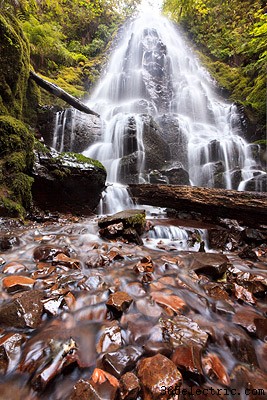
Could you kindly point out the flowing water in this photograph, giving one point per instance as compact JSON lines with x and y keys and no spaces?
{"x":153,"y":71}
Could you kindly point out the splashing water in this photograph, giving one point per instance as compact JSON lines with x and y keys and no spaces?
{"x":156,"y":94}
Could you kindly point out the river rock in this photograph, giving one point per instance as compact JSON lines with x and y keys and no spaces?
{"x":156,"y":374}
{"x":10,"y":350}
{"x":23,"y":311}
{"x":211,"y":264}
{"x":16,"y":283}
{"x":214,"y":369}
{"x":48,"y":252}
{"x":182,"y":330}
{"x":121,"y":361}
{"x":118,"y":302}
{"x":128,"y":225}
{"x":67,"y":182}
{"x":241,"y":346}
{"x":7,"y":242}
{"x":254,"y":381}
{"x":88,"y":389}
{"x":129,"y":386}
{"x":188,"y":359}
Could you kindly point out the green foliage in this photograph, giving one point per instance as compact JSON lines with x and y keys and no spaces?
{"x":234,"y":35}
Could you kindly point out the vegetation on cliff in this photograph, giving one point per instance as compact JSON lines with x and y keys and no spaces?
{"x":233,"y":36}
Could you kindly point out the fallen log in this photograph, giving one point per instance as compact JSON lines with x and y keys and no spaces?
{"x":62,"y":94}
{"x":249,"y":208}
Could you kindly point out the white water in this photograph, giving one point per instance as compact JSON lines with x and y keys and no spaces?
{"x":154,"y":71}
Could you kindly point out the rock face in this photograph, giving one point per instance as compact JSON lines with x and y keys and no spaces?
{"x":68,"y":129}
{"x":67,"y":182}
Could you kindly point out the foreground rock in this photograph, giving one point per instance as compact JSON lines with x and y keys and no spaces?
{"x":67,"y":182}
{"x":126,"y":225}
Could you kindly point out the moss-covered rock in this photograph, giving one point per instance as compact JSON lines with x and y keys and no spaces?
{"x":15,"y":66}
{"x":16,"y":151}
{"x":67,"y":182}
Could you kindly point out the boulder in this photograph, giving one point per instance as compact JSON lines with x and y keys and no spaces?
{"x":67,"y":182}
{"x":127,"y":225}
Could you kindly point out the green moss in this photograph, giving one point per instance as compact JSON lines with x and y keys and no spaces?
{"x":15,"y":59}
{"x":16,"y":137}
{"x":21,"y":187}
{"x":61,"y":173}
{"x":80,"y":158}
{"x":9,"y":208}
{"x":16,"y":162}
{"x":40,"y":147}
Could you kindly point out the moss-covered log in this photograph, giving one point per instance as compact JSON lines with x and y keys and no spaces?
{"x":62,"y":94}
{"x":247,"y":207}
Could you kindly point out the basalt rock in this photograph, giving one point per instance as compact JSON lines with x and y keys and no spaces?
{"x":67,"y":182}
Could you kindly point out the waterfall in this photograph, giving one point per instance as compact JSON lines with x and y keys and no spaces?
{"x":161,"y":111}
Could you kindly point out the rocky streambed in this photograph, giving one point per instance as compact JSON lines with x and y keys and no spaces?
{"x":105,"y":310}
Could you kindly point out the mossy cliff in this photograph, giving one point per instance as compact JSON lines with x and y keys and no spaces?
{"x":18,"y":100}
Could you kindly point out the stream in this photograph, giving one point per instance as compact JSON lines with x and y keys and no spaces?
{"x":86,"y":317}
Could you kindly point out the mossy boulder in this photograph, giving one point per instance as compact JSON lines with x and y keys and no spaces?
{"x":67,"y":182}
{"x":16,"y":152}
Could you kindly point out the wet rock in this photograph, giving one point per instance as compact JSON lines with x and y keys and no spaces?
{"x":23,"y":311}
{"x":223,"y":307}
{"x":118,"y":302}
{"x":176,"y":174}
{"x":63,"y":183}
{"x":216,"y":291}
{"x":188,"y":359}
{"x":170,"y":301}
{"x":241,"y":346}
{"x":182,"y":330}
{"x":261,"y":328}
{"x":14,"y":268}
{"x":52,"y":305}
{"x":156,"y":177}
{"x":17,"y":283}
{"x":151,"y":348}
{"x":121,"y":361}
{"x":144,"y":265}
{"x":248,"y":253}
{"x":10,"y":351}
{"x":7,"y":242}
{"x":62,"y":259}
{"x":111,"y":338}
{"x":48,"y":252}
{"x":242,"y":293}
{"x":129,"y":224}
{"x":253,"y":382}
{"x":214,"y":369}
{"x":129,"y":386}
{"x":155,"y":374}
{"x":252,"y":235}
{"x":99,"y":390}
{"x":245,"y":317}
{"x":211,"y":264}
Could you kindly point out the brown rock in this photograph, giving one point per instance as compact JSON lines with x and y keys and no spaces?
{"x":171,"y":301}
{"x":129,"y":386}
{"x":210,"y":264}
{"x":261,"y":328}
{"x":121,"y":361}
{"x":14,"y":268}
{"x":253,"y":381}
{"x":111,"y":338}
{"x":214,"y":369}
{"x":16,"y":283}
{"x":23,"y":311}
{"x":62,"y":259}
{"x":182,"y":330}
{"x":118,"y":302}
{"x":188,"y":359}
{"x":144,"y":265}
{"x":48,"y":252}
{"x":245,"y":317}
{"x":156,"y":374}
{"x":152,"y":348}
{"x":241,"y":346}
{"x":10,"y":350}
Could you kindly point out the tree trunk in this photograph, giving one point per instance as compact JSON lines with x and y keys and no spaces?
{"x":250,"y":208}
{"x":57,"y":91}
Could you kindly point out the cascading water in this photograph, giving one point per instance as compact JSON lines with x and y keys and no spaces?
{"x":160,"y":111}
